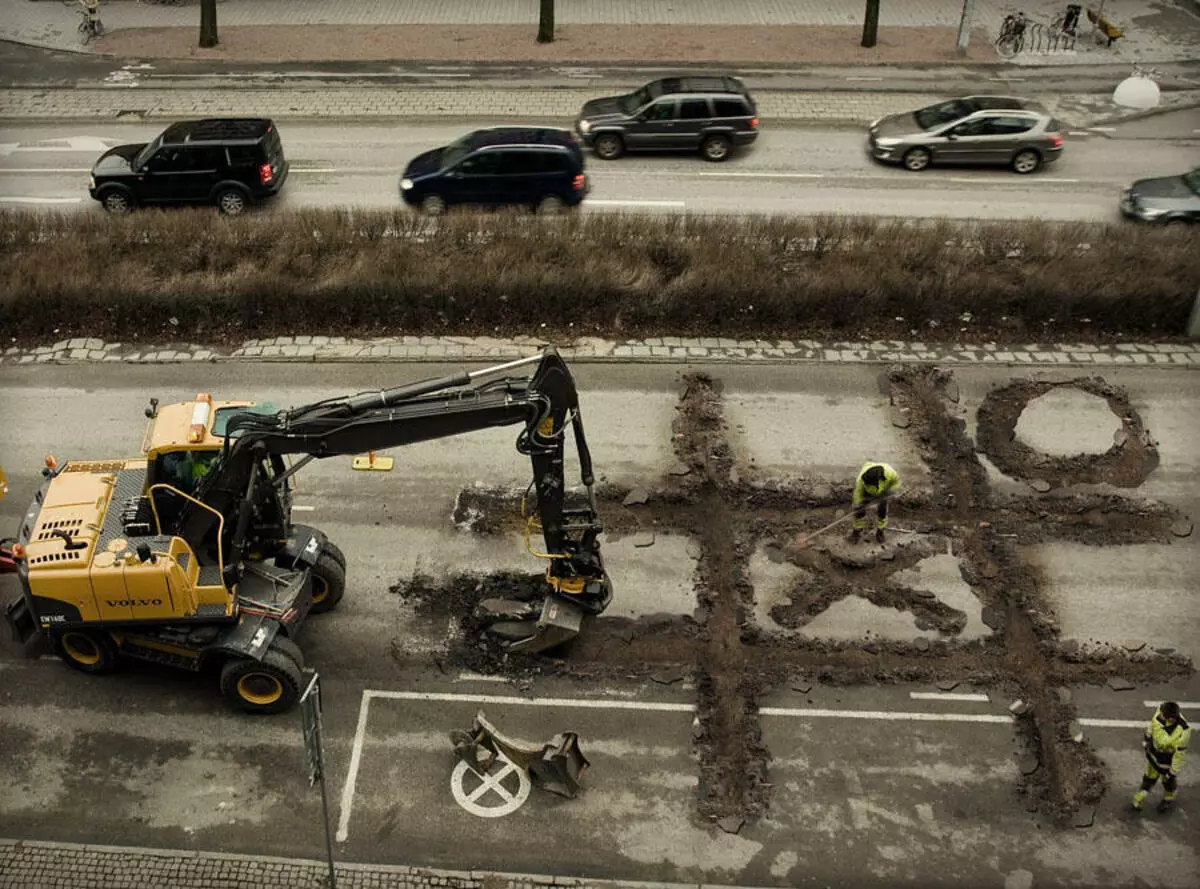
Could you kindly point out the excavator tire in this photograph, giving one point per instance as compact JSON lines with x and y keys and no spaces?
{"x":328,"y":583}
{"x":289,"y":648}
{"x":89,"y":651}
{"x":271,"y":685}
{"x":336,"y":551}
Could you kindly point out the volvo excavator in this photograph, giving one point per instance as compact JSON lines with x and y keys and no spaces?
{"x":188,"y":555}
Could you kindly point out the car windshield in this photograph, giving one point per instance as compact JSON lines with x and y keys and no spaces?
{"x":942,"y":113}
{"x":456,"y":151}
{"x":635,"y":100}
{"x":146,"y":153}
{"x":1192,"y":180}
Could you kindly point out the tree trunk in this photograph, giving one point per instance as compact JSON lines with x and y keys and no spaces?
{"x":546,"y":22}
{"x":208,"y":23}
{"x":871,"y":23}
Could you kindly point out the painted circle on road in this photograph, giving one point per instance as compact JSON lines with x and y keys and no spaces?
{"x":501,"y":792}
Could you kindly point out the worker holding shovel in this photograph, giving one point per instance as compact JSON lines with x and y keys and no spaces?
{"x":877,"y":482}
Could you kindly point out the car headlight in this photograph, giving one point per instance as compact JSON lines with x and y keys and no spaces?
{"x":887,"y":143}
{"x":873,"y":124}
{"x":1150,"y":213}
{"x":584,"y":126}
{"x":92,"y":182}
{"x":406,"y":184}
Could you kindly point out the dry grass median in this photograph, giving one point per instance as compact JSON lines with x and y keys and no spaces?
{"x":194,"y":276}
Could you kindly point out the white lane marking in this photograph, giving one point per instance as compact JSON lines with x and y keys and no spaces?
{"x":583,"y":703}
{"x":864,"y":78}
{"x":884,"y":715}
{"x":23,"y":200}
{"x":994,"y":181}
{"x":343,"y":830}
{"x":607,"y":203}
{"x":44,"y":170}
{"x":1186,"y":705}
{"x":300,"y":75}
{"x":763,"y":175}
{"x":1103,"y":129}
{"x":1114,"y":723}
{"x":296,"y":508}
{"x":90,"y":144}
{"x":479,"y":677}
{"x":947,"y":696}
{"x":1077,"y":133}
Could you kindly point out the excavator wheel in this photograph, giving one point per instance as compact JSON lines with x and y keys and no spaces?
{"x":336,"y":551}
{"x":87,"y":650}
{"x":328,"y":583}
{"x":289,"y":648}
{"x":271,"y":685}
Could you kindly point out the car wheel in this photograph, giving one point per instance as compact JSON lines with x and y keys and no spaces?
{"x":609,"y":146}
{"x":715,"y":148}
{"x":117,"y":201}
{"x":231,"y":202}
{"x":551,"y":205}
{"x":1177,"y":223}
{"x":917,"y":159}
{"x":1026,"y":161}
{"x":433,"y":205}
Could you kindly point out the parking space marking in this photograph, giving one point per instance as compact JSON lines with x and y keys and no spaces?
{"x":732,"y":175}
{"x":356,"y":751}
{"x":491,"y":783}
{"x":25,"y":200}
{"x":1185,"y":705}
{"x":947,"y":696}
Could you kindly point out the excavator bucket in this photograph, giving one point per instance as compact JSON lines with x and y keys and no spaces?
{"x":559,"y":622}
{"x":557,"y":766}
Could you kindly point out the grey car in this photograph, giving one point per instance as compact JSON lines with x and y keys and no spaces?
{"x":707,"y":113}
{"x":1166,"y":201}
{"x":990,"y":130}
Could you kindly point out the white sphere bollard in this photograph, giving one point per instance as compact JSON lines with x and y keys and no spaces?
{"x":1137,"y":92}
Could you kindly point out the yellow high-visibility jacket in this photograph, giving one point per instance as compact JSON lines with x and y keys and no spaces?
{"x":1166,"y":745}
{"x":890,"y":484}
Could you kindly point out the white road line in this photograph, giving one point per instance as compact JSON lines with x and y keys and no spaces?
{"x":1103,"y":129}
{"x":864,"y":78}
{"x":343,"y":830}
{"x":763,"y":175}
{"x":1078,"y":133}
{"x":302,"y":508}
{"x":583,"y":703}
{"x":602,"y":203}
{"x":302,"y":75}
{"x":44,"y":170}
{"x":479,"y":677}
{"x":22,"y":200}
{"x":994,"y":181}
{"x":947,"y":696}
{"x":1114,"y":723}
{"x":884,"y":715}
{"x":1186,"y":705}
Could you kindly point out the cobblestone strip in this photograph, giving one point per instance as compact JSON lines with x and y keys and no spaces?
{"x":38,"y":865}
{"x":654,"y":349}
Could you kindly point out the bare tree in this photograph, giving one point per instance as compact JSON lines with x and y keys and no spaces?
{"x":208,"y":23}
{"x":546,"y":22}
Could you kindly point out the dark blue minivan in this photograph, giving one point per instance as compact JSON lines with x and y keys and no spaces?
{"x":537,"y":167}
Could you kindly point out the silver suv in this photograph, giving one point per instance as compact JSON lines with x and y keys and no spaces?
{"x":706,"y":113}
{"x":995,"y":130}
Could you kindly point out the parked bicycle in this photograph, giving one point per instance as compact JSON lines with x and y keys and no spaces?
{"x":1068,"y":22}
{"x":89,"y":20}
{"x":1012,"y":35}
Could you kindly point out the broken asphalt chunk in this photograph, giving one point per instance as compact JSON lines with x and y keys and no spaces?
{"x":1182,"y":528}
{"x":636,"y":497}
{"x":922,"y":643}
{"x":680,"y":469}
{"x":1076,"y":731}
{"x":992,"y":618}
{"x":731,"y":823}
{"x":802,"y":687}
{"x":1019,"y":708}
{"x":1040,"y":485}
{"x":668,"y":677}
{"x":1116,"y":683}
{"x":948,"y":684}
{"x":1132,"y":645}
{"x":644,"y":540}
{"x":1085,"y":817}
{"x":1028,"y":764}
{"x":900,"y":418}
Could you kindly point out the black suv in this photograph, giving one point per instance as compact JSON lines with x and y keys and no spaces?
{"x":709,"y":113}
{"x":232,"y":162}
{"x":540,"y":167}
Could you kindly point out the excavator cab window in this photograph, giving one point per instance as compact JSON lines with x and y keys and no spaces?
{"x":183,"y":469}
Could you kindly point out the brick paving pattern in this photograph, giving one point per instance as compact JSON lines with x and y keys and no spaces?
{"x":664,"y":349}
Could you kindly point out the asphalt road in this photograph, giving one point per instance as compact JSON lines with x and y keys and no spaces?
{"x":803,"y":170}
{"x":873,"y":786}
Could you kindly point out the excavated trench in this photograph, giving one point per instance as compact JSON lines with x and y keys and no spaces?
{"x":729,"y":514}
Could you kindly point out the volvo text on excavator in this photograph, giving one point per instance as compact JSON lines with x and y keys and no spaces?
{"x":188,"y":555}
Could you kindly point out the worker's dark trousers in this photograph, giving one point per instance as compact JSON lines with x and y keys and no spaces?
{"x":860,"y":515}
{"x":1151,"y":775}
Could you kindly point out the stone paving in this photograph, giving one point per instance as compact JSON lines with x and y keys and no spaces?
{"x":38,"y":865}
{"x":1155,"y":30}
{"x":1077,"y":110}
{"x":654,"y":349}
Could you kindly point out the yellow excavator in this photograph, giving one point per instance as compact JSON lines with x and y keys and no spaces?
{"x":188,"y":555}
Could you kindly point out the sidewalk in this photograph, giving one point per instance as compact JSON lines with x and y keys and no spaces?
{"x":795,"y":32}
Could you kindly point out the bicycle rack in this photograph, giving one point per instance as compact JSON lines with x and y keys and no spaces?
{"x":1040,"y":38}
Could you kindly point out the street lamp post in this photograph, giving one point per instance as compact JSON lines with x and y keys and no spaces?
{"x":871,"y":24}
{"x":964,"y":27}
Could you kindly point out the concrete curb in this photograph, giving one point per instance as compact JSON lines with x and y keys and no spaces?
{"x":654,"y":350}
{"x":1150,"y":112}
